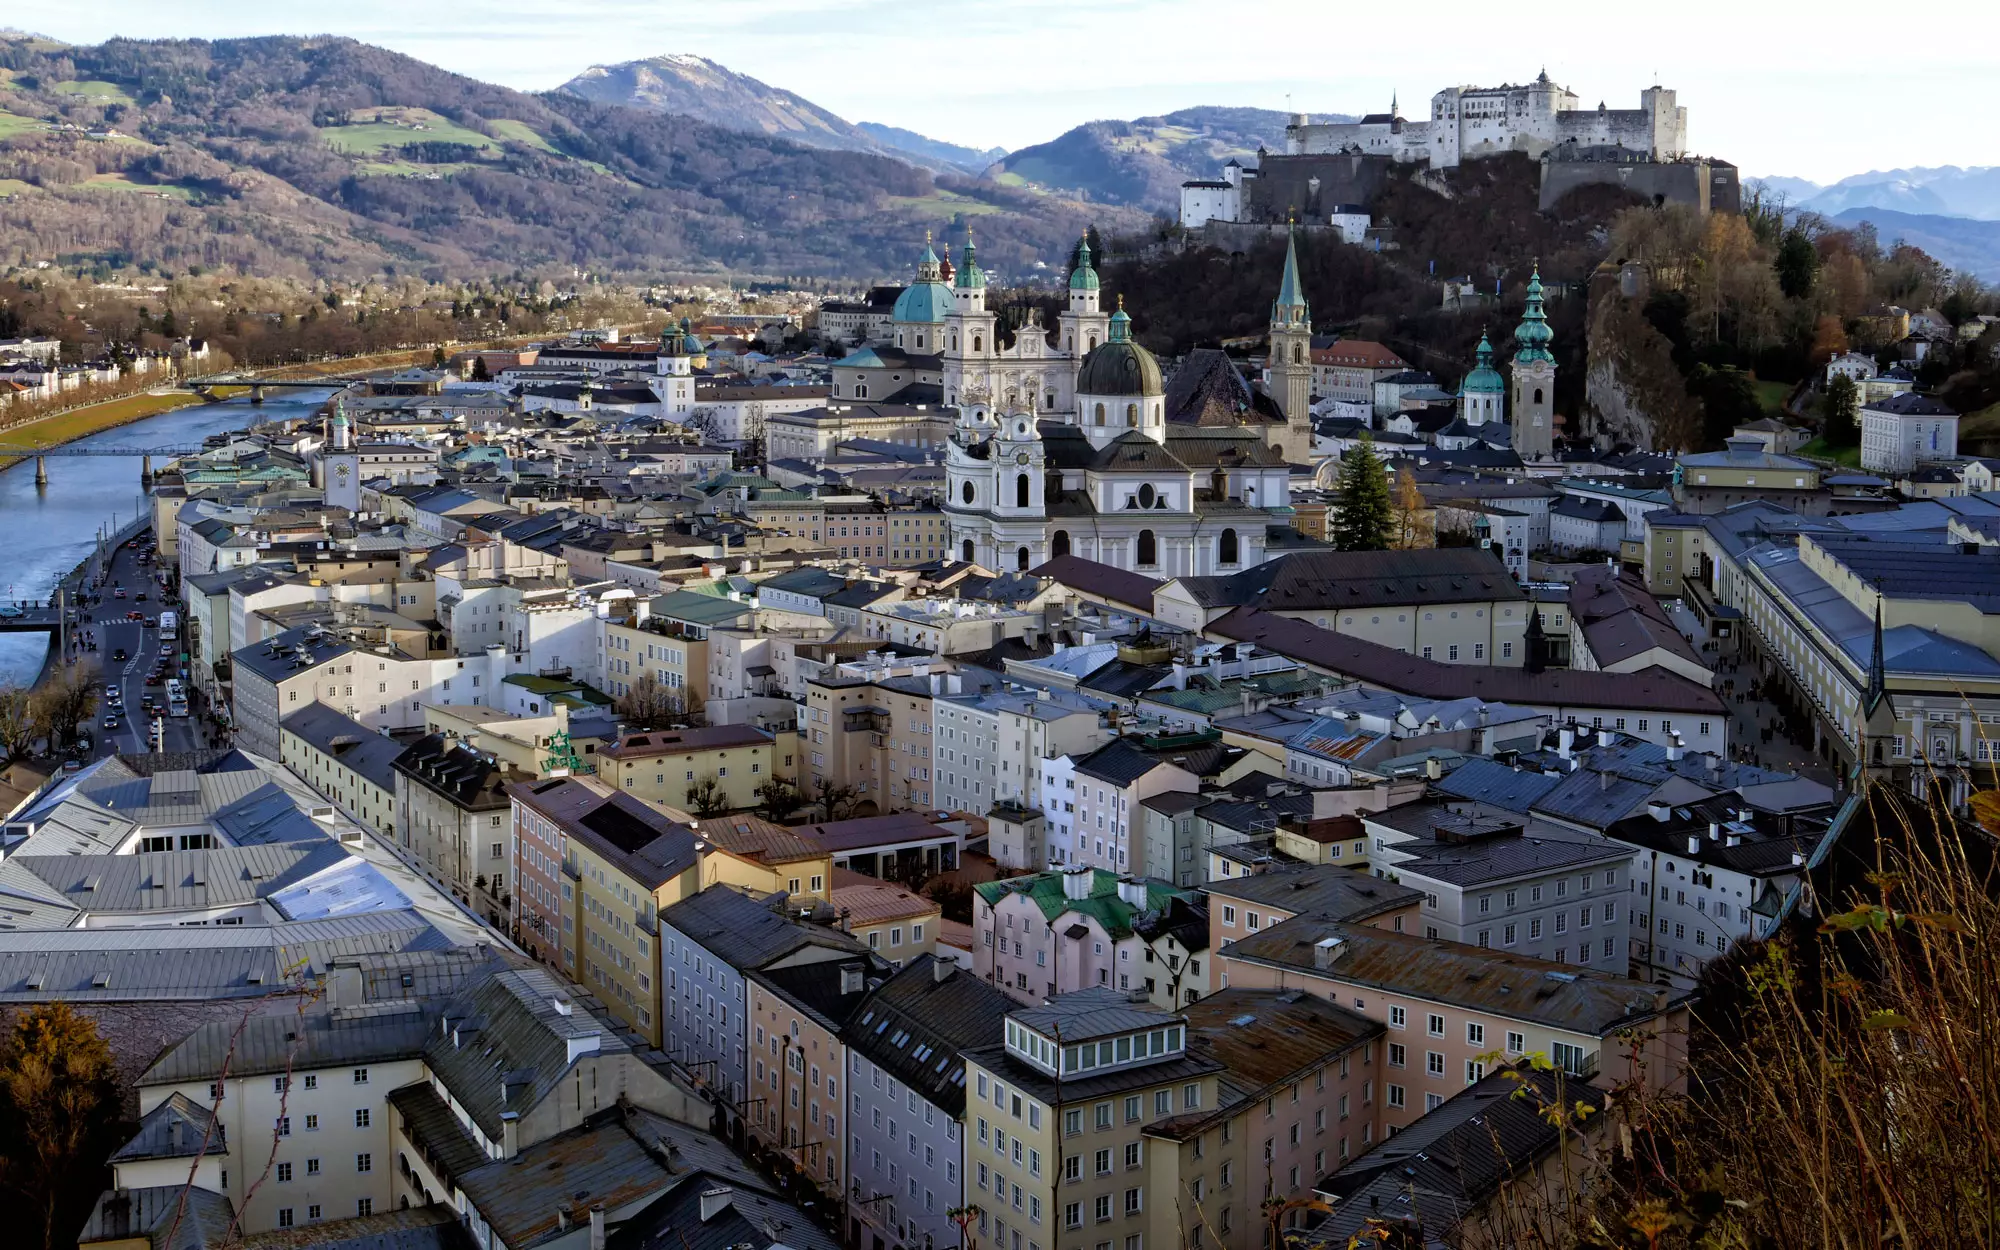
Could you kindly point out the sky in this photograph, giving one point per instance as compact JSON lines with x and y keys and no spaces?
{"x":1819,"y":92}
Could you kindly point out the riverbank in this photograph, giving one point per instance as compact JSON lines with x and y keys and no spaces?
{"x":67,"y":427}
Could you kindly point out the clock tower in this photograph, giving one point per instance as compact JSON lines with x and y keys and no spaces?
{"x":340,"y":464}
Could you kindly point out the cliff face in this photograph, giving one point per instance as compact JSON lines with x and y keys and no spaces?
{"x":1633,"y":393}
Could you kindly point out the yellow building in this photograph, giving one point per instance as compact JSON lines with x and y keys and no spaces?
{"x":870,"y":736}
{"x":672,"y":657}
{"x":714,"y":769}
{"x":595,"y":869}
{"x":896,"y":923}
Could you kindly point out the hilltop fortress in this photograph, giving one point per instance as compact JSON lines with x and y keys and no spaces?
{"x":1470,"y":122}
{"x":1330,"y":172}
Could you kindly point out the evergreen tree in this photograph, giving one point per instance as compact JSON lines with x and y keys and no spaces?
{"x":1362,"y":519}
{"x":1797,"y":264}
{"x":1843,"y":413}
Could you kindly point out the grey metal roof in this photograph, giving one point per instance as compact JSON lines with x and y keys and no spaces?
{"x":1329,"y":891}
{"x":435,"y":1227}
{"x":196,"y":1218}
{"x":745,"y":933}
{"x":505,"y":1042}
{"x":750,"y":1219}
{"x":179,"y":1128}
{"x":1093,"y":1012}
{"x":281,"y":1038}
{"x":353,"y":744}
{"x":447,"y":1146}
{"x":167,"y":881}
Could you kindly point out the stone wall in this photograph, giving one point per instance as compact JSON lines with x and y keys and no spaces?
{"x":1710,"y":186}
{"x":1633,"y":393}
{"x":1285,"y":186}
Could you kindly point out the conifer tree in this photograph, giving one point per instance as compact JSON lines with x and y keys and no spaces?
{"x":1362,"y":518}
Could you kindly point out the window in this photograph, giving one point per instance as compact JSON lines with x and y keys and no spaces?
{"x":361,"y":1118}
{"x":284,"y":1217}
{"x":284,"y":1173}
{"x":360,"y":1076}
{"x":1397,"y":1054}
{"x":1398,"y":1017}
{"x":1134,"y":1200}
{"x":312,"y":1167}
{"x":1437,"y":1026}
{"x":364,"y":1162}
{"x":1395,"y":1095}
{"x":312,"y":1124}
{"x":1434,"y":1062}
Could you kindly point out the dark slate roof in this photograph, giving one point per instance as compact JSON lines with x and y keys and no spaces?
{"x":1133,"y":452}
{"x":197,"y":1218}
{"x":447,"y":1146}
{"x":1911,"y":404}
{"x":1448,"y":1164}
{"x":1120,"y":762}
{"x":650,"y":848}
{"x":748,"y":1220}
{"x":284,"y":1040}
{"x":347,"y":740}
{"x":1489,"y":781}
{"x":1328,"y":891}
{"x":1337,"y":580}
{"x":914,"y":1025}
{"x":744,"y":932}
{"x":1654,"y":689}
{"x":179,"y":1128}
{"x":1262,"y":1037}
{"x":445,"y":766}
{"x":435,"y":1227}
{"x":1208,"y":389}
{"x":514,"y":1024}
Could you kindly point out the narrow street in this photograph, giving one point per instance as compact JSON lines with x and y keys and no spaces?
{"x":134,"y":677}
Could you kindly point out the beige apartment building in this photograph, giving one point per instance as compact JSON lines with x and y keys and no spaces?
{"x":897,"y":924}
{"x":1449,"y":1009}
{"x":598,"y":867}
{"x":798,"y":1062}
{"x":871,"y":735}
{"x":631,"y":649}
{"x":673,"y":767}
{"x":452,"y":817}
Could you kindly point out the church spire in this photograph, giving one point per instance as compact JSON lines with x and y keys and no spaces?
{"x":1290,"y":308}
{"x":1877,"y":669}
{"x":1531,"y":339}
{"x":970,"y":276}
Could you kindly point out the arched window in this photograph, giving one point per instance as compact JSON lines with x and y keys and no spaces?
{"x":1538,"y":394}
{"x":1092,"y":341}
{"x":1227,"y":549}
{"x":1149,"y":549}
{"x":1132,"y":414}
{"x":954,"y":342}
{"x":966,"y":493}
{"x":966,"y":551}
{"x":1298,"y":353}
{"x":978,"y":342}
{"x":860,"y":390}
{"x":1021,"y":490}
{"x":1100,"y":414}
{"x":1021,"y":559}
{"x":1059,"y":543}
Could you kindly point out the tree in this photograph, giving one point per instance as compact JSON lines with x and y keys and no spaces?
{"x":437,"y":357}
{"x":706,"y":797}
{"x":65,"y":701}
{"x":479,"y":371}
{"x":1728,"y":398}
{"x":1414,"y":527}
{"x":58,"y":1117}
{"x":836,"y":802}
{"x":1797,"y":265}
{"x":652,"y":704}
{"x":1361,"y":519}
{"x":1842,"y":406}
{"x":778,"y":798}
{"x":19,"y":725}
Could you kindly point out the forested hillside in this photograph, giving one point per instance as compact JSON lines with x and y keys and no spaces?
{"x":288,"y":155}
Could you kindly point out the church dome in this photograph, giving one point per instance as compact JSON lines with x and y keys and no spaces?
{"x":1120,"y":366}
{"x":1484,"y":378}
{"x":923,"y":302}
{"x":1085,"y":277}
{"x":1532,"y":336}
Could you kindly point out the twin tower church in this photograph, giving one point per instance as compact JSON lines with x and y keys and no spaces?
{"x":1077,"y":445}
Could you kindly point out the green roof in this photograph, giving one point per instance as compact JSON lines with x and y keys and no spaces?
{"x":1113,"y":914}
{"x":690,"y":605}
{"x":572,"y":692}
{"x":1484,"y":378}
{"x":1208,"y":702}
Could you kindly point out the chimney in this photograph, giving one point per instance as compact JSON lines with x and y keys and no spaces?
{"x":1434,"y":768}
{"x":942,"y":968}
{"x":1674,"y":745}
{"x":1077,"y":882}
{"x":1565,"y":741}
{"x":1132,"y":892}
{"x":1325,"y":951}
{"x":510,"y":1134}
{"x":850,"y":978}
{"x":1714,"y":832}
{"x":1694,"y":844}
{"x":1659,"y":811}
{"x":597,"y":1226}
{"x":715,"y":1201}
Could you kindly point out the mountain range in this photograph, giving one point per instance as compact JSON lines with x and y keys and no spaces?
{"x":1938,"y":191}
{"x":694,"y":86}
{"x":328,"y":157}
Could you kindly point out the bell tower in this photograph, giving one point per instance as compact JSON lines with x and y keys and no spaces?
{"x":1291,"y":358}
{"x":1534,"y":379}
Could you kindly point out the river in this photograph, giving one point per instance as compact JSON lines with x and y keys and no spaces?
{"x":46,"y":533}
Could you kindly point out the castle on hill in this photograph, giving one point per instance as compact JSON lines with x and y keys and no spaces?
{"x":1470,"y":122}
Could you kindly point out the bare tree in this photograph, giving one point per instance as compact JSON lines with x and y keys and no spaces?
{"x":652,"y":704}
{"x":706,"y":797}
{"x":66,"y":700}
{"x":19,"y":724}
{"x":836,"y":802}
{"x":778,"y":798}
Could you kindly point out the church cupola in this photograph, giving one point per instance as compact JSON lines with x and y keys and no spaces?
{"x":1532,"y":337}
{"x":1083,"y":282}
{"x":1119,"y":388}
{"x":1480,"y":396}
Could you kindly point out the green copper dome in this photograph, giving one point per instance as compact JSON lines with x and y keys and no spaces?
{"x":928,"y":299}
{"x":1120,"y":366}
{"x":1484,"y":378}
{"x":1532,"y":336}
{"x":1085,"y":277}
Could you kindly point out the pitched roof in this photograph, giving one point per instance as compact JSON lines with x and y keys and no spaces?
{"x":914,"y":1026}
{"x":1133,"y":590}
{"x":744,"y":932}
{"x":178,"y":1128}
{"x":1334,"y":580}
{"x":522,"y":1025}
{"x":1328,"y":891}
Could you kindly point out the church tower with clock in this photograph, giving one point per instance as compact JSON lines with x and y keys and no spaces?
{"x":340,"y":464}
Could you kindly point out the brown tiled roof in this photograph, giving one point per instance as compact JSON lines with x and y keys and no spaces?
{"x":1134,"y":590}
{"x":862,"y":900}
{"x":1358,"y":354}
{"x":685,"y":741}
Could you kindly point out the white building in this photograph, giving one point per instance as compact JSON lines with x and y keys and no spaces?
{"x":1213,"y":199}
{"x":1902,"y":431}
{"x":992,"y":746}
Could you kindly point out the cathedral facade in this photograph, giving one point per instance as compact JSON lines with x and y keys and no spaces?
{"x":1047,"y":460}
